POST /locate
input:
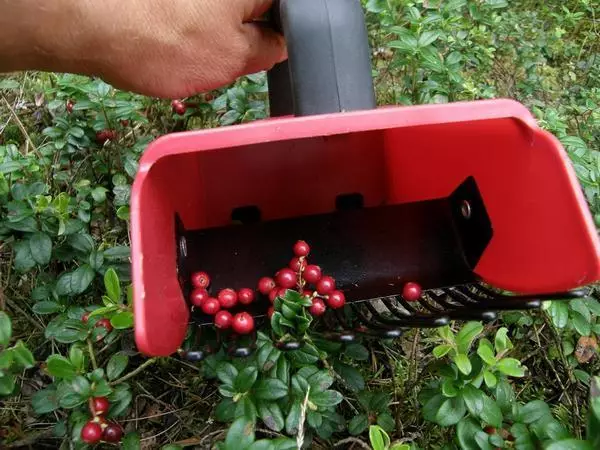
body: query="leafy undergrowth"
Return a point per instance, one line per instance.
(69, 150)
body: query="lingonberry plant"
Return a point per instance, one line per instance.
(69, 148)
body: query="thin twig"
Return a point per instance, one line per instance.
(352, 440)
(17, 308)
(92, 355)
(133, 373)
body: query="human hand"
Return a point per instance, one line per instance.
(163, 48)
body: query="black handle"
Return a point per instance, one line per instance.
(329, 66)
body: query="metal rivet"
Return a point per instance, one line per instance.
(183, 246)
(465, 209)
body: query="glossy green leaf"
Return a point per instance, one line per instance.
(486, 354)
(463, 363)
(116, 365)
(246, 408)
(227, 373)
(40, 246)
(271, 415)
(122, 320)
(7, 385)
(441, 350)
(466, 430)
(570, 444)
(490, 379)
(245, 379)
(292, 420)
(240, 434)
(379, 438)
(511, 367)
(581, 324)
(357, 352)
(491, 413)
(448, 388)
(81, 386)
(467, 334)
(131, 441)
(559, 311)
(270, 389)
(45, 401)
(112, 286)
(386, 421)
(505, 396)
(326, 398)
(22, 355)
(225, 410)
(5, 329)
(533, 411)
(351, 376)
(60, 367)
(474, 399)
(358, 424)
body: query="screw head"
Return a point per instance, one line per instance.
(465, 209)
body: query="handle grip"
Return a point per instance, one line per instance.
(329, 67)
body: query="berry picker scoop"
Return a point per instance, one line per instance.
(462, 199)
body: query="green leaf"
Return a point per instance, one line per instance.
(292, 420)
(5, 329)
(67, 397)
(271, 415)
(357, 352)
(386, 421)
(117, 252)
(448, 388)
(270, 389)
(379, 438)
(466, 335)
(501, 341)
(446, 334)
(486, 354)
(225, 410)
(505, 396)
(240, 434)
(351, 376)
(79, 280)
(22, 356)
(511, 367)
(581, 324)
(45, 401)
(570, 444)
(320, 381)
(122, 320)
(116, 365)
(81, 386)
(283, 370)
(491, 413)
(533, 411)
(245, 379)
(99, 194)
(305, 356)
(559, 312)
(593, 428)
(465, 432)
(490, 379)
(60, 367)
(46, 307)
(112, 286)
(326, 399)
(450, 411)
(522, 437)
(7, 385)
(23, 259)
(131, 441)
(6, 359)
(474, 399)
(226, 373)
(428, 37)
(263, 444)
(432, 59)
(463, 363)
(441, 350)
(245, 408)
(40, 246)
(358, 424)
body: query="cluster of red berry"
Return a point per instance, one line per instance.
(98, 428)
(103, 136)
(299, 275)
(241, 323)
(180, 107)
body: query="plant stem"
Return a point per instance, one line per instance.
(92, 355)
(133, 373)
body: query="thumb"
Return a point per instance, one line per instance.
(266, 47)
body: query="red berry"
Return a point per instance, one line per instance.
(69, 106)
(105, 323)
(228, 298)
(101, 137)
(243, 323)
(298, 264)
(266, 285)
(326, 285)
(223, 320)
(301, 248)
(307, 293)
(85, 317)
(201, 280)
(490, 429)
(245, 296)
(411, 292)
(199, 296)
(209, 97)
(312, 274)
(99, 406)
(286, 278)
(336, 300)
(273, 295)
(91, 433)
(270, 312)
(124, 122)
(113, 433)
(211, 306)
(178, 107)
(318, 307)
